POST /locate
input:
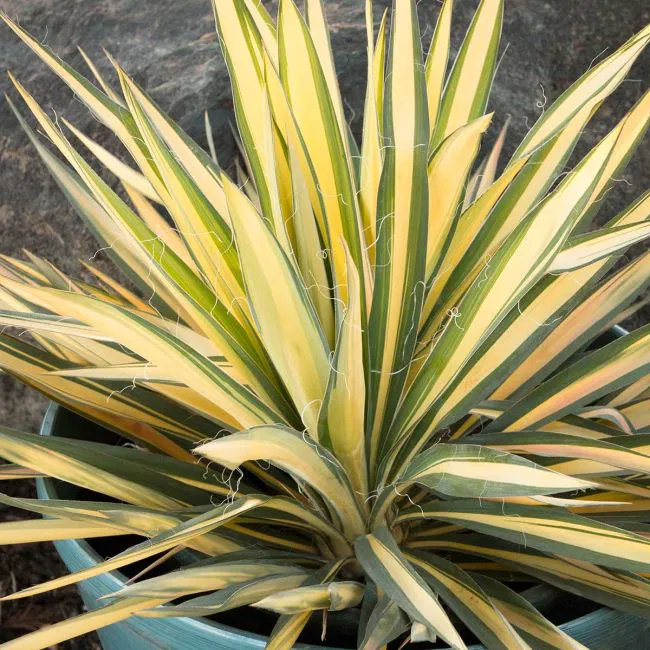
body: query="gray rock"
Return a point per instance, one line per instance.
(170, 48)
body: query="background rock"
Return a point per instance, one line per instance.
(170, 48)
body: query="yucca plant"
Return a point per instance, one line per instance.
(351, 377)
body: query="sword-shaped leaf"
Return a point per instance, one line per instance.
(182, 533)
(583, 324)
(473, 470)
(276, 294)
(591, 247)
(541, 323)
(468, 600)
(468, 87)
(330, 596)
(436, 62)
(13, 472)
(534, 627)
(162, 348)
(125, 173)
(447, 176)
(372, 153)
(194, 295)
(342, 414)
(202, 229)
(237, 595)
(288, 627)
(469, 224)
(389, 569)
(218, 574)
(552, 530)
(314, 109)
(138, 414)
(112, 113)
(541, 168)
(598, 373)
(52, 635)
(242, 44)
(401, 225)
(129, 259)
(140, 477)
(488, 170)
(311, 261)
(385, 624)
(637, 443)
(100, 79)
(305, 459)
(49, 530)
(603, 454)
(591, 88)
(618, 589)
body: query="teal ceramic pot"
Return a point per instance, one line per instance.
(603, 629)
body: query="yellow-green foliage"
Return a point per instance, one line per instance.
(384, 344)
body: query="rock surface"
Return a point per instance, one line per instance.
(170, 48)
